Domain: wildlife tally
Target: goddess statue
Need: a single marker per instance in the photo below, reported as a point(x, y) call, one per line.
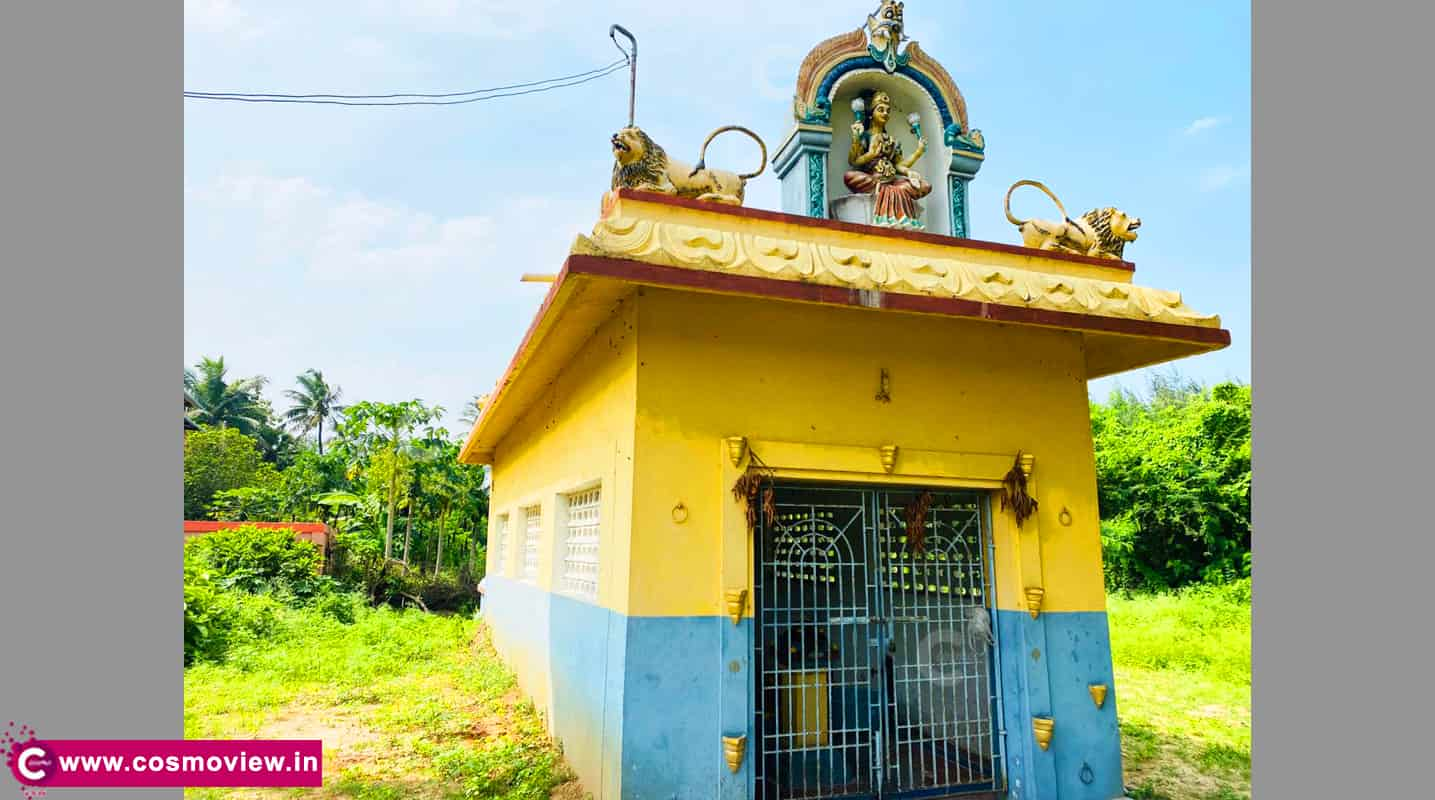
point(880, 169)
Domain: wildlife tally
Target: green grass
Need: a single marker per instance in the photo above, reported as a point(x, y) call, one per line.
point(413, 705)
point(1183, 674)
point(409, 705)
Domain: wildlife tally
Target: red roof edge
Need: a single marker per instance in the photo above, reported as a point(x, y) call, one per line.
point(208, 526)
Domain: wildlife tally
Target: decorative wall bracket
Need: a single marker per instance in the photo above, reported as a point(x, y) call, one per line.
point(736, 604)
point(1034, 596)
point(1098, 694)
point(1042, 727)
point(888, 453)
point(736, 449)
point(733, 749)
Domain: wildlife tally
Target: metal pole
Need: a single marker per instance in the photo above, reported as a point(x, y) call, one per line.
point(632, 57)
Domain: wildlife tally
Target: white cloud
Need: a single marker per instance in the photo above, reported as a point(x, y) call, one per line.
point(1220, 177)
point(217, 16)
point(494, 19)
point(1205, 124)
point(283, 273)
point(337, 236)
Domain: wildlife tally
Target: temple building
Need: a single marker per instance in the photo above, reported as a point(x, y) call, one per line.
point(803, 504)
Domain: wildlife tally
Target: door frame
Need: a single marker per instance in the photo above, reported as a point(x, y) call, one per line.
point(1015, 553)
point(874, 503)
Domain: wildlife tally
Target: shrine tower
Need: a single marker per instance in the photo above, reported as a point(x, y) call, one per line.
point(877, 56)
point(788, 506)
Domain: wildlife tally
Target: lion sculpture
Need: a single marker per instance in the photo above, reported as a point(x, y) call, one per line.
point(1100, 233)
point(641, 163)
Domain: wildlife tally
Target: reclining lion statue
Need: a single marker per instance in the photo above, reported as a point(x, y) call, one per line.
point(641, 163)
point(1100, 233)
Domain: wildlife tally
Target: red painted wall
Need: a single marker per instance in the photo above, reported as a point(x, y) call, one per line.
point(316, 532)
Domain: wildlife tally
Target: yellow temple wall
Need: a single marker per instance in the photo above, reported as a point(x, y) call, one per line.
point(799, 382)
point(577, 434)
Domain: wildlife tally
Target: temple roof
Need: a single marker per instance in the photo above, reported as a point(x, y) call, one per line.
point(657, 240)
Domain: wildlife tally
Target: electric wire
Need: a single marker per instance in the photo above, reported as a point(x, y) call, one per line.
point(365, 100)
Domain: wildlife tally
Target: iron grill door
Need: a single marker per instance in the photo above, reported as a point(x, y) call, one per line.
point(938, 728)
point(874, 667)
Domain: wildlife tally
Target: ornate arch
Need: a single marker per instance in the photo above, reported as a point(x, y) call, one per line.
point(833, 58)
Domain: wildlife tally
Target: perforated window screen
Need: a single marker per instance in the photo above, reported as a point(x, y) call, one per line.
point(500, 565)
point(532, 532)
point(580, 545)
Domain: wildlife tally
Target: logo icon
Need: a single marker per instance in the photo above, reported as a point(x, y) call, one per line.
point(30, 760)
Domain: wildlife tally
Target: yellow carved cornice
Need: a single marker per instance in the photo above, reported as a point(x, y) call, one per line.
point(762, 250)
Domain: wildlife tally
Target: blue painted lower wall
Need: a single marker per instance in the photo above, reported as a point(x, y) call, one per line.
point(571, 657)
point(640, 704)
point(1047, 665)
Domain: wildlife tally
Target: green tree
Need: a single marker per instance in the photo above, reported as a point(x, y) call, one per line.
point(387, 428)
point(435, 488)
point(248, 503)
point(1174, 484)
point(222, 403)
point(220, 459)
point(314, 401)
point(309, 478)
point(276, 445)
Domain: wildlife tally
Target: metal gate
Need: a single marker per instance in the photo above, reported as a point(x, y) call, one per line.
point(874, 655)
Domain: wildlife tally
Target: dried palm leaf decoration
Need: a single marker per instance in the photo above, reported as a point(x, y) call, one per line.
point(917, 522)
point(755, 483)
point(1014, 495)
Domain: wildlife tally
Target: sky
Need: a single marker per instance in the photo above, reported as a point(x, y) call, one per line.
point(384, 245)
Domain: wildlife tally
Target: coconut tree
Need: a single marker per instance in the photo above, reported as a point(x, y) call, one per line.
point(314, 401)
point(278, 446)
point(450, 486)
point(472, 410)
point(223, 403)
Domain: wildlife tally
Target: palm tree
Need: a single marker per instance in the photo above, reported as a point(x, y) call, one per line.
point(472, 410)
point(276, 445)
point(222, 403)
point(314, 401)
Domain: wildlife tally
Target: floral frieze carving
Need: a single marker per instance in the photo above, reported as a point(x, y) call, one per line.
point(756, 254)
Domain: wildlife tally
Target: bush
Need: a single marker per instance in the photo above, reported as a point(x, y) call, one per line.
point(216, 619)
point(357, 559)
point(220, 459)
point(238, 582)
point(1174, 482)
point(339, 606)
point(250, 502)
point(253, 559)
